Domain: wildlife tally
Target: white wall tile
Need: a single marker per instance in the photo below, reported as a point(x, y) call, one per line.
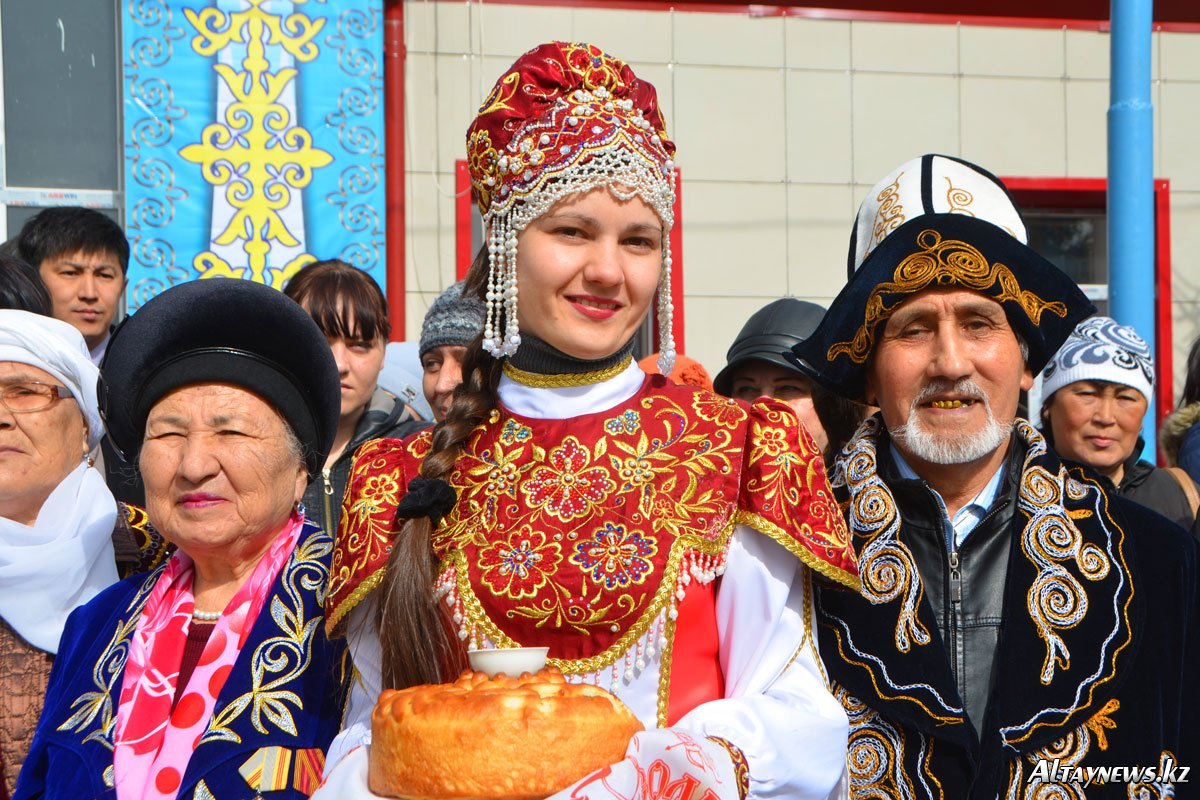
point(436, 27)
point(1087, 132)
point(429, 232)
point(1014, 126)
point(1179, 124)
point(816, 43)
point(897, 117)
point(728, 39)
point(818, 127)
point(1180, 56)
point(415, 306)
point(637, 37)
point(712, 323)
point(722, 140)
point(510, 30)
point(819, 222)
point(440, 103)
point(901, 47)
point(1024, 52)
point(1185, 323)
point(1087, 54)
point(734, 238)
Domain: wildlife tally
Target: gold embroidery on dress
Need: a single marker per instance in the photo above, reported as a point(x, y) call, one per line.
point(889, 215)
point(1056, 600)
point(940, 263)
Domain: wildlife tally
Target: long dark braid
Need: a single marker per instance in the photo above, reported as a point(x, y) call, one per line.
point(418, 640)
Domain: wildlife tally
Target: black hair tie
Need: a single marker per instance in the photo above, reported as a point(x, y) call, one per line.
point(427, 497)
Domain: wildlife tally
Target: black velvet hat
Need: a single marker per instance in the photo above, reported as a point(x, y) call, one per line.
point(938, 222)
point(222, 331)
point(767, 335)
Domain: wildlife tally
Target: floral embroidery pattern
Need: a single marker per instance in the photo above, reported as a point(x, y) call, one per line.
point(724, 411)
point(615, 556)
point(568, 487)
point(580, 533)
point(514, 432)
point(520, 565)
point(628, 423)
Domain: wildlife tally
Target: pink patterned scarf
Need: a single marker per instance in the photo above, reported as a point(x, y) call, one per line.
point(152, 743)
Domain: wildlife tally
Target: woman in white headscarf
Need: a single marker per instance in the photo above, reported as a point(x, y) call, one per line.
point(63, 538)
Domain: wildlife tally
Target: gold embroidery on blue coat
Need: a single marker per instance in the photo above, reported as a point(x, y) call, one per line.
point(97, 706)
point(281, 659)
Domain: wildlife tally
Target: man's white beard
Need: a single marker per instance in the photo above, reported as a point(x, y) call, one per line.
point(943, 448)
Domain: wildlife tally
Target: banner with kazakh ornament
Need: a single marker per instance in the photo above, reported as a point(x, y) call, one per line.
point(253, 139)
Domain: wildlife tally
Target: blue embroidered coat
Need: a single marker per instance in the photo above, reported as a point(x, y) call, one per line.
point(278, 711)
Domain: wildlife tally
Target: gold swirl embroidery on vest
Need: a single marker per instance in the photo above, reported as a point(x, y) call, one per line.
point(1159, 789)
point(885, 565)
point(1056, 600)
point(1066, 754)
point(941, 263)
point(890, 214)
point(874, 752)
point(958, 199)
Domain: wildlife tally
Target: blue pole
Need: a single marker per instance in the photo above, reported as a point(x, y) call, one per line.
point(1131, 180)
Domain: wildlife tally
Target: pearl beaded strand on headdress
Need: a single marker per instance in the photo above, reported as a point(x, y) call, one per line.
point(666, 315)
point(501, 294)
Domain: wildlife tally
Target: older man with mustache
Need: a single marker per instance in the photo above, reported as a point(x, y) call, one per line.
point(1019, 624)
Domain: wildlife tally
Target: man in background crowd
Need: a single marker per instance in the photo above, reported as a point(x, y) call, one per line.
point(82, 256)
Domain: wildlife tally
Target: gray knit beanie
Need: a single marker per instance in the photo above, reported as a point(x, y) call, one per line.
point(452, 320)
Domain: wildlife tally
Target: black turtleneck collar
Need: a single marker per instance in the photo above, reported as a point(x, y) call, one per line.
point(541, 358)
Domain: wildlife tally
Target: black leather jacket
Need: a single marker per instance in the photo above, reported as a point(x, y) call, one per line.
point(965, 587)
point(386, 417)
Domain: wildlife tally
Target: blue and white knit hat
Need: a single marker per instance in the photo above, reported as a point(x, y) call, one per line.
point(1101, 349)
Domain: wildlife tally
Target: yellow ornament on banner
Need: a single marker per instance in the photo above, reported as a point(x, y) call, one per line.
point(258, 152)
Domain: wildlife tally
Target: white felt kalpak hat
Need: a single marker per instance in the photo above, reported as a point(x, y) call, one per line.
point(938, 222)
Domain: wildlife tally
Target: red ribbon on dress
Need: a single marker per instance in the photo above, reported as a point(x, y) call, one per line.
point(696, 675)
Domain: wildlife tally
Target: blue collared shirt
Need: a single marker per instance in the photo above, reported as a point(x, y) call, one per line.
point(969, 515)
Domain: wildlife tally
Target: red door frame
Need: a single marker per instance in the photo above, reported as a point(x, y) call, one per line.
point(1092, 193)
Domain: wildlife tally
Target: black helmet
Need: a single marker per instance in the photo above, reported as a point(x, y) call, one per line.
point(769, 332)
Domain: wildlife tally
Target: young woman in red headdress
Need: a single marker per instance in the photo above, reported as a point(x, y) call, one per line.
point(661, 540)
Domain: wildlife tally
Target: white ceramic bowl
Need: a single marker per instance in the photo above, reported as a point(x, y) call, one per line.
point(512, 661)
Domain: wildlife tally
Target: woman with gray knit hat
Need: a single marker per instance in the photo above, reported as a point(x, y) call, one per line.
point(450, 325)
point(1097, 389)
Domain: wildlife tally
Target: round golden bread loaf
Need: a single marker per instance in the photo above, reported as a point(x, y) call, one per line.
point(496, 738)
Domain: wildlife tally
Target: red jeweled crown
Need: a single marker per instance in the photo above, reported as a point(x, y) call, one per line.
point(566, 118)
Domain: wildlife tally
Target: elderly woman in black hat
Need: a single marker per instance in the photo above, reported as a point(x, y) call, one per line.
point(210, 676)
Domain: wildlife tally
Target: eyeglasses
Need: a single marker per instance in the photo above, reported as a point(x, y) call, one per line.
point(32, 396)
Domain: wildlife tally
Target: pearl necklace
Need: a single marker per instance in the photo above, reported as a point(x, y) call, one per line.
point(205, 616)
